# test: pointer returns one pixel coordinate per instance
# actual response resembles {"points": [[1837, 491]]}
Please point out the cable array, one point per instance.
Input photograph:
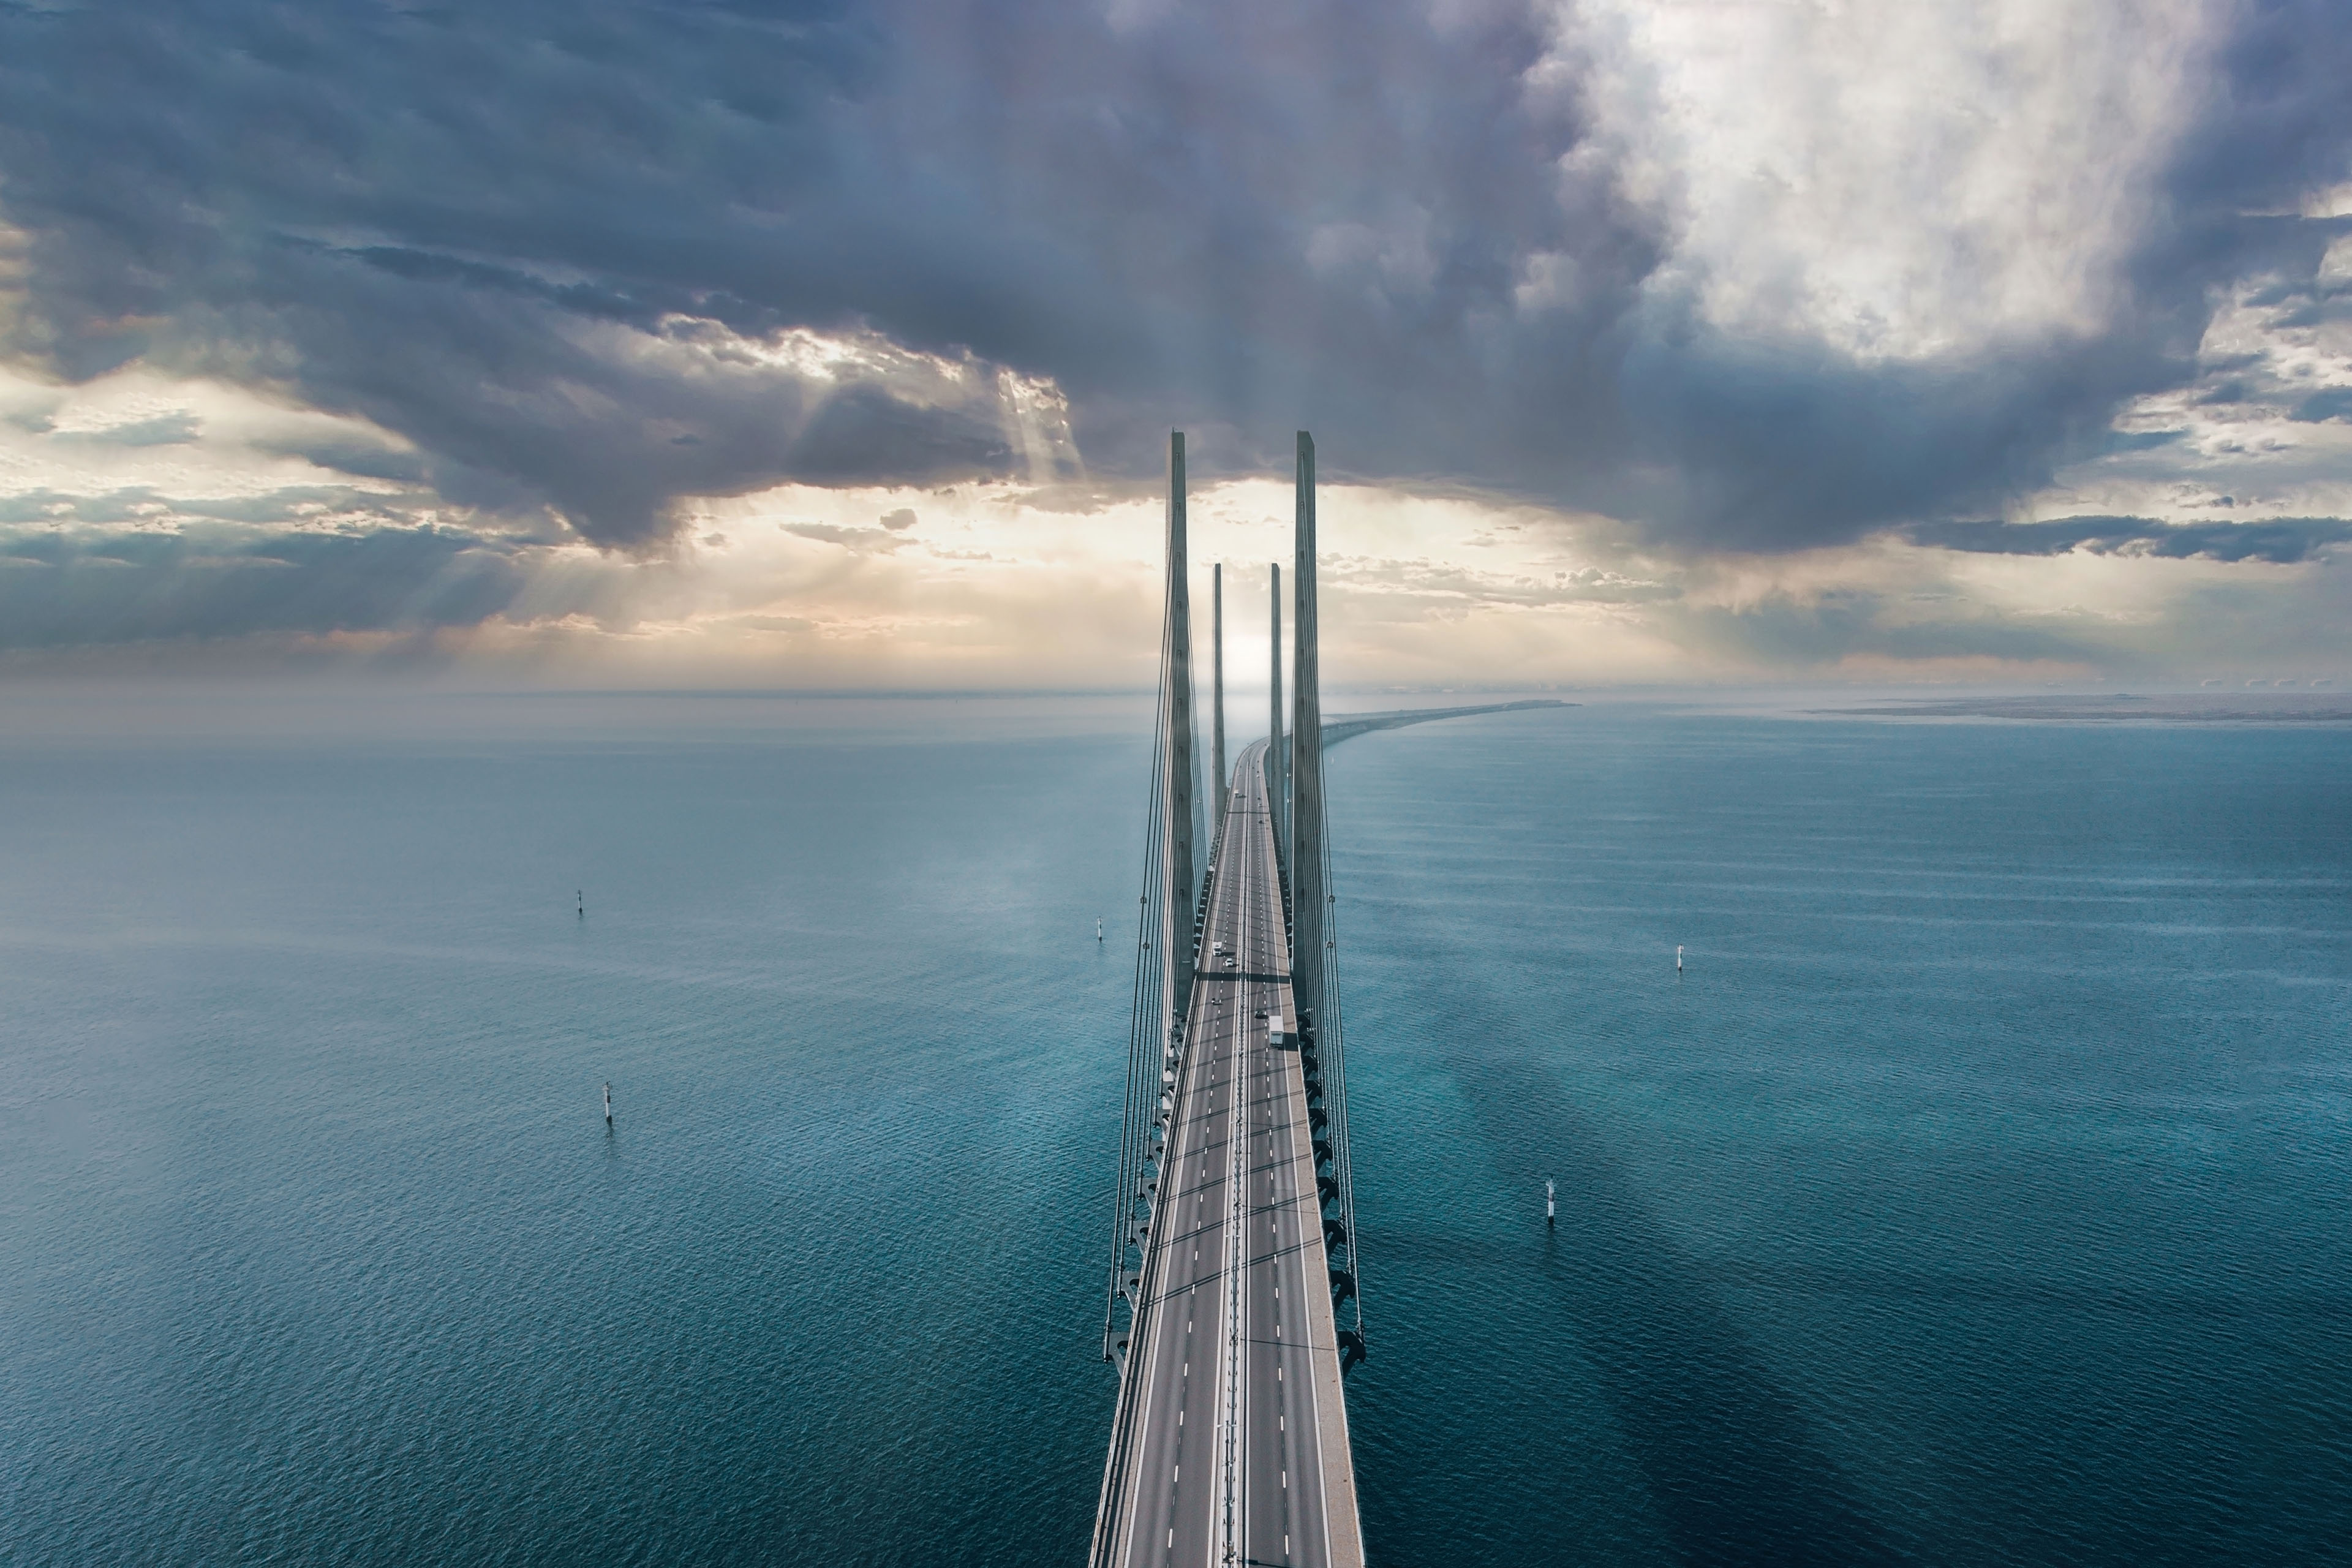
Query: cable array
{"points": [[1347, 1257], [1154, 1046], [1142, 1121]]}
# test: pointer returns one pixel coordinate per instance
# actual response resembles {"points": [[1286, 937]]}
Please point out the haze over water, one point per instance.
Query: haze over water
{"points": [[1981, 1193]]}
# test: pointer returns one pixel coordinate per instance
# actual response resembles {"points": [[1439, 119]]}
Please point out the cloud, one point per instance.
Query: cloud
{"points": [[1642, 338], [801, 587], [2281, 542], [560, 251], [305, 504], [1811, 635], [1742, 277], [71, 587], [163, 430], [1424, 585], [856, 541]]}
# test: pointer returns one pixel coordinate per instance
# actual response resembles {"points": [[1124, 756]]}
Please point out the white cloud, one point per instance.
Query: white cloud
{"points": [[219, 441], [1891, 181]]}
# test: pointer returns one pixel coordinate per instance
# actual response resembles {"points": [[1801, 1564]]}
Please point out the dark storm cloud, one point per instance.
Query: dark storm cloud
{"points": [[2279, 541], [526, 237], [360, 459], [66, 587]]}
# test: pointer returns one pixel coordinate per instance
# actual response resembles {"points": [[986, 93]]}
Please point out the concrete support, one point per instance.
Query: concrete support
{"points": [[1277, 793], [1217, 702], [1305, 755], [1180, 789]]}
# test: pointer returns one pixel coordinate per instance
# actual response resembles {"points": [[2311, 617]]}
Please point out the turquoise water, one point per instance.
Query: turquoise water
{"points": [[1982, 1192]]}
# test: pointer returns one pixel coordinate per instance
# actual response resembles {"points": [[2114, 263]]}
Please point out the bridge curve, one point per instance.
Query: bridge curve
{"points": [[1353, 724]]}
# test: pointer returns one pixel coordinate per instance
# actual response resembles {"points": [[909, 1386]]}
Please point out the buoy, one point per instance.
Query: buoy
{"points": [[608, 1105], [1678, 961], [582, 895], [1098, 931], [1550, 1215]]}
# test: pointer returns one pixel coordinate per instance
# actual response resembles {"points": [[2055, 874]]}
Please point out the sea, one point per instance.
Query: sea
{"points": [[1979, 1189]]}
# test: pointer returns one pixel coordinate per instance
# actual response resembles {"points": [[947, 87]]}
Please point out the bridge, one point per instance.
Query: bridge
{"points": [[1233, 1309]]}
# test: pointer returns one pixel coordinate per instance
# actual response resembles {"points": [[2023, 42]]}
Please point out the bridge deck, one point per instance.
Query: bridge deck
{"points": [[1238, 1242]]}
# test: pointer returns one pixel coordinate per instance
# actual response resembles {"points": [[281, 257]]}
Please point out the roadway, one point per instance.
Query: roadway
{"points": [[1236, 1449]]}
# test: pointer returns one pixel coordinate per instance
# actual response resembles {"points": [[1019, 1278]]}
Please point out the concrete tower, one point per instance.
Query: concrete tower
{"points": [[1275, 757], [1305, 755], [1217, 702], [1180, 790]]}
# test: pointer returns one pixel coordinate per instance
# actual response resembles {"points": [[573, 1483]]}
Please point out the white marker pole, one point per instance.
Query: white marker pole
{"points": [[1549, 1215], [1678, 961], [608, 1105]]}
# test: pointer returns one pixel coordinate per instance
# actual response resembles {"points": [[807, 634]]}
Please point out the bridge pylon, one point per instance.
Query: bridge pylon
{"points": [[1277, 788], [1217, 688], [1180, 779], [1306, 752], [1166, 935]]}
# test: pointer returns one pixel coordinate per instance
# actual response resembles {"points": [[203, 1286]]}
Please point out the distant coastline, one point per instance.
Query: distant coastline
{"points": [[2231, 708]]}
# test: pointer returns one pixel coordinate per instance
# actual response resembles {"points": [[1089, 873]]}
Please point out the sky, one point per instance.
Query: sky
{"points": [[801, 344]]}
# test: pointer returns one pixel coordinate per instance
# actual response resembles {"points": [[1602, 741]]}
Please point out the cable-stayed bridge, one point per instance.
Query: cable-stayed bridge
{"points": [[1234, 1308]]}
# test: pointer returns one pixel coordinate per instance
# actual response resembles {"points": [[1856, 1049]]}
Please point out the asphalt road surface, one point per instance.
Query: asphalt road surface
{"points": [[1238, 1442]]}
